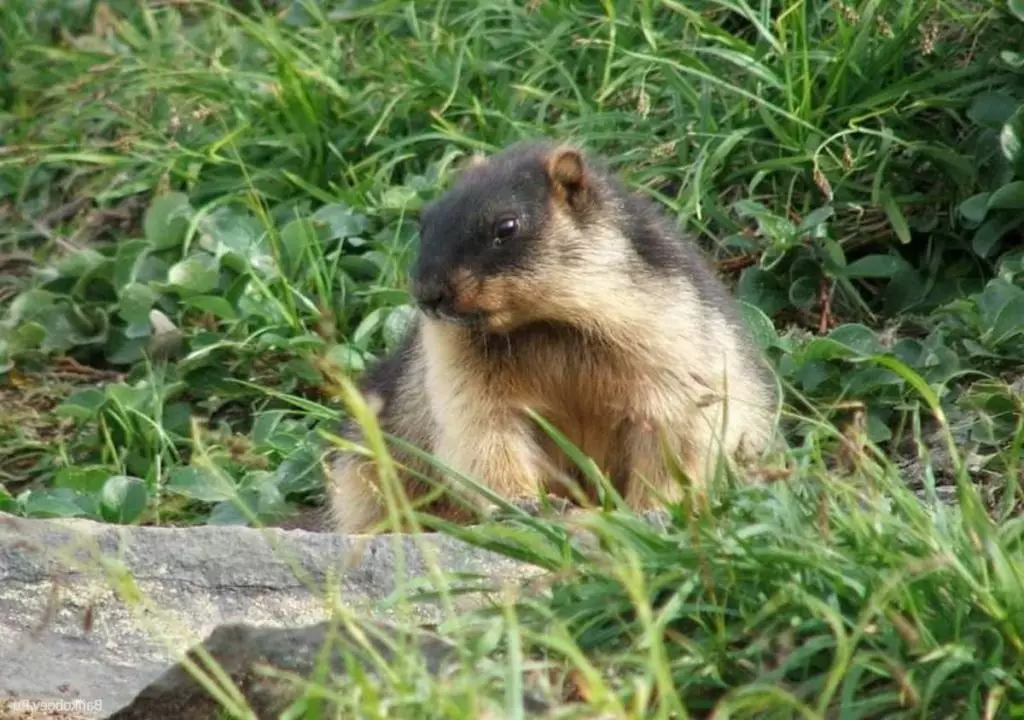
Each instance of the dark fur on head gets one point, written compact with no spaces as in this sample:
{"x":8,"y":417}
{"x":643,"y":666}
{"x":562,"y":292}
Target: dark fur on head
{"x":500,"y":248}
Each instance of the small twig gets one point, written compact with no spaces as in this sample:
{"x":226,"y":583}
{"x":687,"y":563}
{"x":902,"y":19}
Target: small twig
{"x":825,"y":300}
{"x":737,"y":263}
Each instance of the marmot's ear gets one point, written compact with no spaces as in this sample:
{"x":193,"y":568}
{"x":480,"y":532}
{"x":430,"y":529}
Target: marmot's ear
{"x":567,"y":172}
{"x":468,"y":162}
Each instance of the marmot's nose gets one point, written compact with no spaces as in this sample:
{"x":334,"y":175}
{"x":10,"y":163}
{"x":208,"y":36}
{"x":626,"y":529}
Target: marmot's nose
{"x":431,"y":295}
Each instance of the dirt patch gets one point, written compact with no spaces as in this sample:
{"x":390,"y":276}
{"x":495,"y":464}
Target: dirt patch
{"x":28,"y":424}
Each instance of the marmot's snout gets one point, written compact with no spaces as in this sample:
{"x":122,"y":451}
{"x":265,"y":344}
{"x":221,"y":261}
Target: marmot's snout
{"x":437,"y":297}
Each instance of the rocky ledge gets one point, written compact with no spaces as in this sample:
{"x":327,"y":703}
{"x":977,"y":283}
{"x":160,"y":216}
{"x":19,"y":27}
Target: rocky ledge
{"x":91,"y":615}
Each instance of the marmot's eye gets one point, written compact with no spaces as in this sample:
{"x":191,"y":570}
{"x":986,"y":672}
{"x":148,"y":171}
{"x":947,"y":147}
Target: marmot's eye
{"x":504,"y":229}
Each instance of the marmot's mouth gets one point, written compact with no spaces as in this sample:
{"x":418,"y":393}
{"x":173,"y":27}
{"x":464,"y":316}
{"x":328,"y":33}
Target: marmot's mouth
{"x":446,"y":314}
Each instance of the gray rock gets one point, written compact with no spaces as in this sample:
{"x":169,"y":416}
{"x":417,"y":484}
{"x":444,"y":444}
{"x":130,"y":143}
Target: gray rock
{"x":93,"y":613}
{"x":245,"y":653}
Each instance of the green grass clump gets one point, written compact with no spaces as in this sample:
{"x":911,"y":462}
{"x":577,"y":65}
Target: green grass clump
{"x":838,"y":598}
{"x":202,"y":202}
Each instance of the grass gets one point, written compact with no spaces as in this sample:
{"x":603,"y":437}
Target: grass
{"x":203,"y":202}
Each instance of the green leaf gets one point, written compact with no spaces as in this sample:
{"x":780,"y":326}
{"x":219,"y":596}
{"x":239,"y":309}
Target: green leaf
{"x":975,"y":208}
{"x":987,"y":237}
{"x":123,"y":350}
{"x":232,"y":229}
{"x":399,"y":197}
{"x":876,"y":266}
{"x":759,"y":325}
{"x":1017,"y":8}
{"x":1008,"y":197}
{"x":79,"y":263}
{"x":27,"y":336}
{"x":166,"y":220}
{"x":86,"y":479}
{"x":857,"y":337}
{"x":213,"y":304}
{"x":196,"y":483}
{"x":53,"y":502}
{"x":815,"y":218}
{"x":992,"y":110}
{"x":123,"y":499}
{"x":135,"y":303}
{"x":398,"y":322}
{"x":1011,"y":140}
{"x":7,"y":502}
{"x":804,"y":291}
{"x":1007,"y":323}
{"x":363,"y":333}
{"x":176,"y":417}
{"x":296,"y":239}
{"x":895,"y":215}
{"x":347,"y":357}
{"x":762,"y":289}
{"x":130,"y":397}
{"x":228,"y":512}
{"x":340,"y":221}
{"x":193,"y":277}
{"x":1013,"y":59}
{"x":82,"y":405}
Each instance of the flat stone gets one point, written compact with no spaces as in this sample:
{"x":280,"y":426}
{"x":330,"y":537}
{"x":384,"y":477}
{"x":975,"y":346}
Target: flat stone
{"x":68,"y":634}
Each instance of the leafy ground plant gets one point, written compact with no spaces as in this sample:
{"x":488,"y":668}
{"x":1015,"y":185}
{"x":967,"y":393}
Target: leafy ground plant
{"x":202,"y":202}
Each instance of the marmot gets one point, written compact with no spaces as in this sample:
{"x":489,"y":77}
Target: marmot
{"x":541,"y":282}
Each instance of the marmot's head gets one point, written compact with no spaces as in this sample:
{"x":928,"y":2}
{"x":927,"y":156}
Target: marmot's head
{"x":535,"y":233}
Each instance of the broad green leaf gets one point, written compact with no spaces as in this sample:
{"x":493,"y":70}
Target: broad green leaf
{"x":858,"y":337}
{"x":760,"y":327}
{"x":987,"y":237}
{"x":992,"y":110}
{"x":397,"y":324}
{"x":27,"y":336}
{"x":196,"y":483}
{"x":83,"y":478}
{"x":166,"y":220}
{"x":123,"y":350}
{"x":399,"y":197}
{"x":1013,"y":59}
{"x":133,"y":397}
{"x":367,"y":327}
{"x":340,"y":221}
{"x":214,"y":305}
{"x":1011,"y":140}
{"x":79,"y":263}
{"x":123,"y":499}
{"x":227,"y":512}
{"x":296,"y":239}
{"x":876,"y":266}
{"x":974,"y":208}
{"x":135,"y":303}
{"x":53,"y":502}
{"x":815,"y":218}
{"x":7,"y":502}
{"x":1008,"y":197}
{"x":804,"y":291}
{"x":232,"y":229}
{"x":82,"y":405}
{"x":347,"y":357}
{"x":761,"y":288}
{"x":193,"y":277}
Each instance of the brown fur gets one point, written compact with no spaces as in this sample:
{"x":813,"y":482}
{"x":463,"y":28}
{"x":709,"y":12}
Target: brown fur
{"x":616,"y":356}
